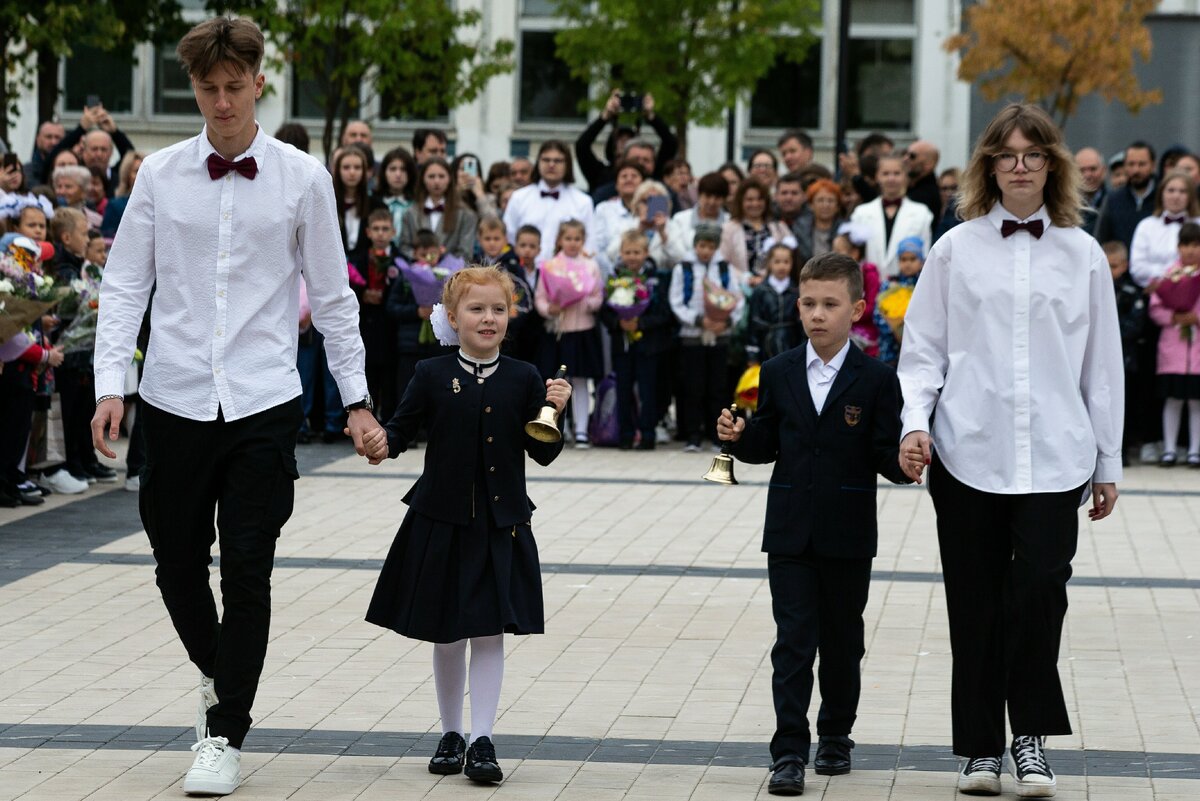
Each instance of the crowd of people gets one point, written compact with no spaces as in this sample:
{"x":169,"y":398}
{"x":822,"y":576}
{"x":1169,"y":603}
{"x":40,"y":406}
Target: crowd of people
{"x":734,"y":236}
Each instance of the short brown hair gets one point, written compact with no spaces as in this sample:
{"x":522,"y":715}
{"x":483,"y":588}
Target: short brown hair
{"x":490,"y":222}
{"x":835,"y":267}
{"x":381,"y":215}
{"x":1193,"y":206}
{"x":1115,"y":248}
{"x":1063,"y":195}
{"x":219,"y":40}
{"x":66,"y":219}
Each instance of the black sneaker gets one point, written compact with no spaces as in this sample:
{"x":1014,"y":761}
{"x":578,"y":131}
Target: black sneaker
{"x":981,"y":776}
{"x":105,"y":475}
{"x":481,"y":762}
{"x":448,"y":760}
{"x":1030,"y":769}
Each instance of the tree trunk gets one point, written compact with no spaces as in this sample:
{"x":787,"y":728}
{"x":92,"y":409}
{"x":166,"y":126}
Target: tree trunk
{"x":4,"y":38}
{"x":47,"y":84}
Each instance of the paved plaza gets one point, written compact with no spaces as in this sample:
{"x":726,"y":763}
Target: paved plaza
{"x":652,"y":681}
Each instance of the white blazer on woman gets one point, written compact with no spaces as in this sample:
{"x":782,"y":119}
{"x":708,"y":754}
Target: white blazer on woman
{"x":912,"y":219}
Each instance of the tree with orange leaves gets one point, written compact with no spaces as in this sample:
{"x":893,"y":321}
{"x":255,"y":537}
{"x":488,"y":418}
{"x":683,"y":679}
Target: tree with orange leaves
{"x":1055,"y":52}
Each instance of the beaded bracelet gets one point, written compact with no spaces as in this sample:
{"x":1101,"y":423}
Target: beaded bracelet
{"x":103,"y":398}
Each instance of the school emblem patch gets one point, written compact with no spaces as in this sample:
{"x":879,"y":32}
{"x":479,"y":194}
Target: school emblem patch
{"x":853,"y":414}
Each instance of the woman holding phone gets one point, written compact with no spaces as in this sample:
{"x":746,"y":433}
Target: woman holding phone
{"x":651,"y":207}
{"x":468,"y":170}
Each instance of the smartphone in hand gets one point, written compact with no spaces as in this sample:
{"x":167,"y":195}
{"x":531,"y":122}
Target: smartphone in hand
{"x":657,"y":204}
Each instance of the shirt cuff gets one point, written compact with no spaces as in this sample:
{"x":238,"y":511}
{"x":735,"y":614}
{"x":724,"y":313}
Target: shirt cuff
{"x":110,"y":382}
{"x":1108,"y":470}
{"x":352,"y":389}
{"x":914,"y":420}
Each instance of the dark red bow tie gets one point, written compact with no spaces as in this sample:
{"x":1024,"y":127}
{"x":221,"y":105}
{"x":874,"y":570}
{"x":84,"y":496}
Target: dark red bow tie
{"x":1010,"y":227}
{"x":1180,"y":219}
{"x":218,"y":167}
{"x":892,"y":204}
{"x":551,"y":194}
{"x":438,"y":209}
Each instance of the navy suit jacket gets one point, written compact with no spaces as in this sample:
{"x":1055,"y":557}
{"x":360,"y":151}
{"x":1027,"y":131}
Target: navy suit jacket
{"x":822,"y":491}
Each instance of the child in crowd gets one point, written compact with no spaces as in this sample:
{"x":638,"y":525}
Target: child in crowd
{"x":821,"y":530}
{"x":1131,"y":314}
{"x":414,"y":334}
{"x":438,"y":207}
{"x":704,"y":335}
{"x":1179,"y":359}
{"x":69,"y":231}
{"x":639,"y":342}
{"x":97,"y":249}
{"x":377,"y":271}
{"x":493,"y":242}
{"x":571,"y":336}
{"x":526,"y":338}
{"x":774,"y":316}
{"x":396,"y":174}
{"x":893,"y":297}
{"x":351,"y":174}
{"x":31,"y":221}
{"x":464,"y":564}
{"x":852,"y":241}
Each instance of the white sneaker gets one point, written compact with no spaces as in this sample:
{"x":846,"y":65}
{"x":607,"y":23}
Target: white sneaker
{"x":981,"y":776}
{"x":208,"y":699}
{"x":1030,"y":769}
{"x":63,"y":483}
{"x":217,"y":769}
{"x":1151,"y":453}
{"x":661,"y":435}
{"x":133,"y":484}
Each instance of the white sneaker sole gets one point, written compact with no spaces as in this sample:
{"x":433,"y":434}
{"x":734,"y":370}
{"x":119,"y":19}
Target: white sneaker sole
{"x":979,"y":784}
{"x":1034,"y":789}
{"x":210,"y":786}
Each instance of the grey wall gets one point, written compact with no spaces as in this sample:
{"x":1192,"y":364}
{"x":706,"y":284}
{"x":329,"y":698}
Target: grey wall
{"x":1174,"y":68}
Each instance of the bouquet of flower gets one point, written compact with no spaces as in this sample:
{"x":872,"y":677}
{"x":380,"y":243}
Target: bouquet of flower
{"x":719,"y":302}
{"x":629,"y":297}
{"x":1179,"y":290}
{"x":25,"y":294}
{"x":893,"y":305}
{"x":84,"y":305}
{"x":567,"y":280}
{"x":427,"y":280}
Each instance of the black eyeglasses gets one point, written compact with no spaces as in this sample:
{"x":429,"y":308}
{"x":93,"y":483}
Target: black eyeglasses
{"x":1034,"y":161}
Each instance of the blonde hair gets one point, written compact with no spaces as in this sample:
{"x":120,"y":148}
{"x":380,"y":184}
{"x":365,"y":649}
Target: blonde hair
{"x":490,"y":222}
{"x":645,"y":189}
{"x":457,"y":284}
{"x":66,"y":219}
{"x":635,"y":237}
{"x":1063,"y":194}
{"x":125,"y":172}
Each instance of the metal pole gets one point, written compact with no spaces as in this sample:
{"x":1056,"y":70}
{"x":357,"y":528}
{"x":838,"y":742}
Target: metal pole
{"x":840,"y":144}
{"x":731,"y":114}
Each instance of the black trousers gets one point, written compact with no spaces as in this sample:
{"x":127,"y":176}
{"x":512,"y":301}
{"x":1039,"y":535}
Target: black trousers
{"x":244,"y":472}
{"x":703,"y":388}
{"x":16,"y":421}
{"x":635,"y":367}
{"x":77,"y":391}
{"x":818,"y":604}
{"x":1006,"y":560}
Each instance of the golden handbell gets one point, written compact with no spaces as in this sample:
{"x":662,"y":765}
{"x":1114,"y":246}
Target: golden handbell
{"x":721,"y":471}
{"x":544,"y":428}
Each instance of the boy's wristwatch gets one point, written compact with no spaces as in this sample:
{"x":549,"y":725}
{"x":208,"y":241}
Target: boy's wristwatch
{"x":365,"y":403}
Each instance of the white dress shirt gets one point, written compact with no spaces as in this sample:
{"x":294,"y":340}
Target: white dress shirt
{"x":1014,"y":342}
{"x":1155,"y":247}
{"x":610,"y":217}
{"x":912,"y":219}
{"x":681,"y":233}
{"x":691,"y":314}
{"x":527,"y":206}
{"x":435,"y":217}
{"x":227,"y":257}
{"x":822,"y":375}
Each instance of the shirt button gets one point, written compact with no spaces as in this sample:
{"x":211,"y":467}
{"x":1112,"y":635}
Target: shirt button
{"x":220,"y":293}
{"x":219,"y":332}
{"x":487,"y":409}
{"x":489,"y":439}
{"x":224,"y":254}
{"x":495,"y":497}
{"x":491,"y":469}
{"x":226,"y":216}
{"x":228,"y":177}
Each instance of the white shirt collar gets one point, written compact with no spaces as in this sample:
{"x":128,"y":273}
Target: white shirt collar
{"x":834,"y":364}
{"x":545,"y":187}
{"x":256,"y":149}
{"x":999,"y":214}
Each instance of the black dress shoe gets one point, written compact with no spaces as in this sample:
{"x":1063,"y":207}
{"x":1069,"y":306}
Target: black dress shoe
{"x":787,"y":777}
{"x":303,"y":438}
{"x":481,"y":764}
{"x":833,"y":756}
{"x":448,"y":760}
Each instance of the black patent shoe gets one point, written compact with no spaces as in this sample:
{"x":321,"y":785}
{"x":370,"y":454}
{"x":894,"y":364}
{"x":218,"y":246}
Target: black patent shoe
{"x":833,"y":756}
{"x":787,"y":777}
{"x":481,"y":765}
{"x":449,"y":757}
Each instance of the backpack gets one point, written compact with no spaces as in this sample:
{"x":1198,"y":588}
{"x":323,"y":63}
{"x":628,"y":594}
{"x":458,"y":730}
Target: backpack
{"x":689,"y":279}
{"x":604,"y":427}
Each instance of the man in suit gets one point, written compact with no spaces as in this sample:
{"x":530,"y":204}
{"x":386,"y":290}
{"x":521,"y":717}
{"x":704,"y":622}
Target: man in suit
{"x":829,"y":417}
{"x":892,"y":217}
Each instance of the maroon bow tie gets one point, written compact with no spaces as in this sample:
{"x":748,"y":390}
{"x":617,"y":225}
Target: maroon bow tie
{"x":1010,"y":227}
{"x":218,"y":167}
{"x":551,"y":194}
{"x":892,"y":204}
{"x":438,"y":209}
{"x":1180,"y":219}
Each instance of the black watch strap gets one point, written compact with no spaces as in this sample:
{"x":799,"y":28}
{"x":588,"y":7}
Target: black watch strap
{"x":365,"y":403}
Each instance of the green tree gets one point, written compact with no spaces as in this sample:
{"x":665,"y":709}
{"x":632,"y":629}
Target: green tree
{"x":697,"y":57}
{"x":414,"y":54}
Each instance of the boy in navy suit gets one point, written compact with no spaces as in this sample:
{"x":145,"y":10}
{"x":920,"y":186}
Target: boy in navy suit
{"x":829,"y":417}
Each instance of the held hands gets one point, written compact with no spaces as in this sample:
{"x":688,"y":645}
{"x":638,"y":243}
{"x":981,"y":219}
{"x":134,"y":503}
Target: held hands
{"x":728,"y":428}
{"x":915,"y":454}
{"x":558,"y":392}
{"x":373,"y":297}
{"x":56,"y":357}
{"x":370,"y":440}
{"x":1104,"y":498}
{"x":716,"y":326}
{"x":107,"y":418}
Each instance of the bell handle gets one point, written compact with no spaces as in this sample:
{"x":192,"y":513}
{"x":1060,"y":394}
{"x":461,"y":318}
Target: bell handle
{"x":562,"y":373}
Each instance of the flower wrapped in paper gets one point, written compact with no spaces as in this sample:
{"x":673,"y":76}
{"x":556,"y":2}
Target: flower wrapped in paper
{"x":25,"y":294}
{"x":567,"y":280}
{"x":719,"y":302}
{"x":1179,"y":290}
{"x":893,"y":305}
{"x":427,"y":280}
{"x":746,"y":393}
{"x":628,"y":296}
{"x":83,"y":306}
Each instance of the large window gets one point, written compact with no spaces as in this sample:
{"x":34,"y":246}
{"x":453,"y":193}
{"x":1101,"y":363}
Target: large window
{"x":789,"y":96}
{"x":108,"y":76}
{"x":172,"y":88}
{"x":881,"y":84}
{"x":548,"y":92}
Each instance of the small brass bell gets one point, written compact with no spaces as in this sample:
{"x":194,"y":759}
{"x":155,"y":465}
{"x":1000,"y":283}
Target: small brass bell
{"x":721,"y":471}
{"x":544,"y":428}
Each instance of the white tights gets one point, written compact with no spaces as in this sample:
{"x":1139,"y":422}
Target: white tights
{"x":450,"y":679}
{"x":579,"y":405}
{"x":1173,"y":419}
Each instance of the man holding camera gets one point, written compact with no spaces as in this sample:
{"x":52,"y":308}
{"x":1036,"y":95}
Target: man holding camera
{"x":599,"y":173}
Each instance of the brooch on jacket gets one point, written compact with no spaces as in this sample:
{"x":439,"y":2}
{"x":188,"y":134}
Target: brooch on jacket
{"x":455,"y":387}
